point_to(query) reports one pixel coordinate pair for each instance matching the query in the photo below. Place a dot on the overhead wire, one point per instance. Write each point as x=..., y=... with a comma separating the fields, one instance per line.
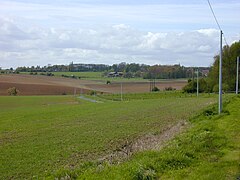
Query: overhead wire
x=217, y=22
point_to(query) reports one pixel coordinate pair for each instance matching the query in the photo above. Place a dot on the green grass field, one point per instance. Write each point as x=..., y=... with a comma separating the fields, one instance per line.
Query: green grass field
x=152, y=95
x=98, y=76
x=83, y=75
x=45, y=136
x=210, y=149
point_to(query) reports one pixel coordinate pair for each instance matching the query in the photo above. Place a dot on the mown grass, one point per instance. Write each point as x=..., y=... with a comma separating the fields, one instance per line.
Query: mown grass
x=208, y=150
x=41, y=135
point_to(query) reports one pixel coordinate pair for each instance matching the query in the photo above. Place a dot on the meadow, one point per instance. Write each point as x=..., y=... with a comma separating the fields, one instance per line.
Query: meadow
x=46, y=136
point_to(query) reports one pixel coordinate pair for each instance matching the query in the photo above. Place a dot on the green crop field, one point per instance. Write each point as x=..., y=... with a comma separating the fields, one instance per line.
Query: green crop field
x=153, y=95
x=45, y=136
x=82, y=75
x=99, y=76
x=210, y=149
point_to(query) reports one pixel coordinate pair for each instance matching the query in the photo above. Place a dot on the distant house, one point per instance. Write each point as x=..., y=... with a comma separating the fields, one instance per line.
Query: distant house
x=115, y=74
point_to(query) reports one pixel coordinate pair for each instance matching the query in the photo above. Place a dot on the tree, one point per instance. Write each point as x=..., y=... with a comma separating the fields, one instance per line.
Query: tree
x=13, y=91
x=191, y=87
x=229, y=57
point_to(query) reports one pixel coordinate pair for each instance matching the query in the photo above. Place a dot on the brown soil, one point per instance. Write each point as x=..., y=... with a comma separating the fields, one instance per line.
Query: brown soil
x=135, y=87
x=45, y=85
x=41, y=85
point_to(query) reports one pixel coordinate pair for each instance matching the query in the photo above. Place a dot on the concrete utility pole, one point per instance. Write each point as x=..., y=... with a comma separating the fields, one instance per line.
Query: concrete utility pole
x=121, y=92
x=220, y=76
x=74, y=93
x=197, y=82
x=237, y=75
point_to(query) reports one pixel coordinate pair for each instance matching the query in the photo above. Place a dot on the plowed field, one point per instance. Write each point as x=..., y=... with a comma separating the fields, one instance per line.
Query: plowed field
x=45, y=85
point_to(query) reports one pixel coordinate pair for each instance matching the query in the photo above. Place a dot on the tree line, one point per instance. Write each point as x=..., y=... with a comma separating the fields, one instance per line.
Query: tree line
x=229, y=64
x=129, y=70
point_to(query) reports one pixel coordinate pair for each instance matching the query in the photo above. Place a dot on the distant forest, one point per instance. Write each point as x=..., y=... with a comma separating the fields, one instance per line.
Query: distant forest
x=128, y=70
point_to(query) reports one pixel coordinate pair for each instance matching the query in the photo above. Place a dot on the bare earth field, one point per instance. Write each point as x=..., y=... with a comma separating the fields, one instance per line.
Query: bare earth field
x=45, y=85
x=135, y=87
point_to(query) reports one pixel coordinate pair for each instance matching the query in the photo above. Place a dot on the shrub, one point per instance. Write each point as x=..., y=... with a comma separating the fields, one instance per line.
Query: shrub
x=92, y=93
x=155, y=89
x=225, y=88
x=50, y=74
x=13, y=91
x=170, y=88
x=191, y=86
x=108, y=82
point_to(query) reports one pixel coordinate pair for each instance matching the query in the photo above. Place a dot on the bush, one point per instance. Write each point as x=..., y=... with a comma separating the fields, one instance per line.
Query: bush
x=225, y=88
x=92, y=93
x=191, y=86
x=50, y=74
x=108, y=82
x=155, y=89
x=13, y=91
x=170, y=89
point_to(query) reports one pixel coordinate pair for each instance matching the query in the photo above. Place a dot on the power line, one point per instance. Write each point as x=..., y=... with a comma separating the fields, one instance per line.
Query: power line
x=225, y=39
x=214, y=14
x=219, y=27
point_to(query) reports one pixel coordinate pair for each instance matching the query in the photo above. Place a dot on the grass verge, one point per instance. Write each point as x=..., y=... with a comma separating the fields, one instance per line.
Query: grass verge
x=209, y=150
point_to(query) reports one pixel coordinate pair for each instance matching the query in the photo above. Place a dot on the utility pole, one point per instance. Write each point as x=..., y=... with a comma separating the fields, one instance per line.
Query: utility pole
x=121, y=92
x=192, y=80
x=197, y=82
x=237, y=75
x=220, y=76
x=74, y=93
x=151, y=85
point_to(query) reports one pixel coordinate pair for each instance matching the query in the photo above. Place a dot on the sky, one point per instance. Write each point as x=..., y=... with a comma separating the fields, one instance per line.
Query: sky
x=43, y=32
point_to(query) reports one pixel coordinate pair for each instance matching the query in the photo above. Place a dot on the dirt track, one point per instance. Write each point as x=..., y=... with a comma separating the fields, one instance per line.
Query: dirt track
x=45, y=85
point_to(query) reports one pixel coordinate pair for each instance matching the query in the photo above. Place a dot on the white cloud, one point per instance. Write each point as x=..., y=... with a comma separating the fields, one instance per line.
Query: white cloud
x=47, y=33
x=208, y=32
x=109, y=44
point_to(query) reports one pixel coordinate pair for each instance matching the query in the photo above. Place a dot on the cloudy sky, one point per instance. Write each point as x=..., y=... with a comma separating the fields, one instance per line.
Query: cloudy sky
x=42, y=32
